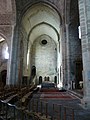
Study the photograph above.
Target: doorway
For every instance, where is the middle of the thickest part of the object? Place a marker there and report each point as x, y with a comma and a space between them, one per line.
3, 77
78, 74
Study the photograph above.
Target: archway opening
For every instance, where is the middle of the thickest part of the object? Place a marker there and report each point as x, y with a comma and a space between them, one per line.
41, 23
3, 77
4, 56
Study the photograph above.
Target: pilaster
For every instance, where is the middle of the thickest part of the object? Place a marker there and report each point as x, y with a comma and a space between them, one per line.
84, 12
68, 55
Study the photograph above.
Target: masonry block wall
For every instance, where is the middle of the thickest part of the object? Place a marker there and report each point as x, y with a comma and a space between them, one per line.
44, 57
75, 49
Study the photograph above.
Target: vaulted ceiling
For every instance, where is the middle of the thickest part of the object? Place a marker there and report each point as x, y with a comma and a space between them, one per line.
41, 19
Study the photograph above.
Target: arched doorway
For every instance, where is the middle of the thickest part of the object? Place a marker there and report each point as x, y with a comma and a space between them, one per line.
3, 77
33, 71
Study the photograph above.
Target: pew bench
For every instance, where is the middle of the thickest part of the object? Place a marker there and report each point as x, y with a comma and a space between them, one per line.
39, 116
24, 100
9, 98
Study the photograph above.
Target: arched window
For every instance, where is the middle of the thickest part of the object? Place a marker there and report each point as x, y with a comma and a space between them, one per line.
4, 48
79, 30
2, 39
5, 53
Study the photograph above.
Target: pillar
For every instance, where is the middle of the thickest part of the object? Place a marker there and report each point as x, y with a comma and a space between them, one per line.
84, 13
64, 61
12, 78
68, 56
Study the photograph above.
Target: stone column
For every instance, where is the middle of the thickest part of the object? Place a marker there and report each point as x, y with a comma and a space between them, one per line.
68, 55
63, 47
84, 12
13, 64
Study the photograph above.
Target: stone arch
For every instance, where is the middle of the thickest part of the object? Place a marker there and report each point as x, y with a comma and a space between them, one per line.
53, 29
32, 3
47, 25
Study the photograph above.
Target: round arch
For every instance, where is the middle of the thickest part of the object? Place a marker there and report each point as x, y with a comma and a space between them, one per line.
42, 19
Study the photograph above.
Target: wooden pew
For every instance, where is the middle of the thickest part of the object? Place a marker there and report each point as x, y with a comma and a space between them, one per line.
5, 94
35, 89
37, 116
9, 99
25, 99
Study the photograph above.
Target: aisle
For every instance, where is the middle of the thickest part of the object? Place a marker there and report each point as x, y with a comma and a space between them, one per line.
57, 95
65, 99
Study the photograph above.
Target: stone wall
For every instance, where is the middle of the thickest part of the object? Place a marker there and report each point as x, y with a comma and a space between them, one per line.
44, 57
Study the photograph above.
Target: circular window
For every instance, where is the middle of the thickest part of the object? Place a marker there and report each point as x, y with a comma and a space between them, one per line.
44, 42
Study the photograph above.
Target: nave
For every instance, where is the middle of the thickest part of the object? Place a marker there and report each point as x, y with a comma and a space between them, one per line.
30, 103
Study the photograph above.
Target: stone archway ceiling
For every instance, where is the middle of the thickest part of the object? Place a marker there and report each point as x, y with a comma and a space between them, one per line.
41, 29
41, 19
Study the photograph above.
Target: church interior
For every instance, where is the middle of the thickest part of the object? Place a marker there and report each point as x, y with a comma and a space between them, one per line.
44, 43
